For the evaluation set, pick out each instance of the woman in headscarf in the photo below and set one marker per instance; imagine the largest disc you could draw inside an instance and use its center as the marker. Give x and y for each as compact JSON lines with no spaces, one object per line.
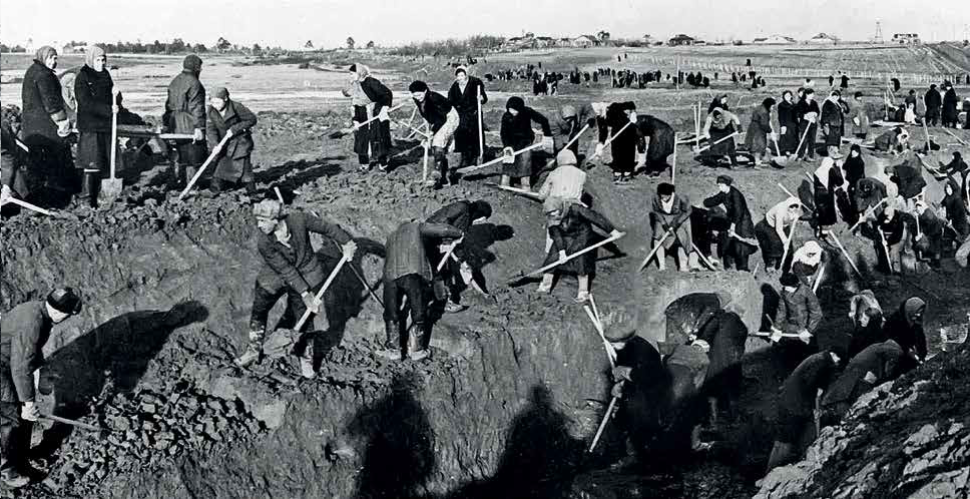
{"x":905,"y":327}
{"x":772,"y":232}
{"x":806,"y":261}
{"x":370,"y":98}
{"x":854,"y":170}
{"x":465,"y":94}
{"x":760,"y":131}
{"x":956,"y":210}
{"x":721,"y":124}
{"x":719,"y":102}
{"x":516,"y":135}
{"x":828,"y":178}
{"x":788,"y":121}
{"x":950,"y":101}
{"x":46,"y":124}
{"x":94,"y":91}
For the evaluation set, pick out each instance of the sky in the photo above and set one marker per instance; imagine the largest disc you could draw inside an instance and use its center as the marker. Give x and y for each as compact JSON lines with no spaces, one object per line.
{"x":328,"y":23}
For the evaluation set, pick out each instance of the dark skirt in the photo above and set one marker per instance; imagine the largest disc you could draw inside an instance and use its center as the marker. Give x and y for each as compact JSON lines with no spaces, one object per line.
{"x":788,"y":141}
{"x":192,"y":153}
{"x":584,"y":264}
{"x":772,"y":247}
{"x":834,"y":137}
{"x":725,"y":148}
{"x":825,"y":209}
{"x":466,"y":136}
{"x":624,"y":151}
{"x":521,"y":167}
{"x":94,"y":152}
{"x":373,"y":139}
{"x":235,"y":169}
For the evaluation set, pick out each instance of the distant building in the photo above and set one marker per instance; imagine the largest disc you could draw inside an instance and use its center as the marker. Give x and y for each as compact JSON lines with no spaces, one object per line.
{"x":774,"y":40}
{"x":584,"y":41}
{"x":73,"y":49}
{"x":544,"y":42}
{"x":906,"y":38}
{"x":681,"y":39}
{"x":823,"y":39}
{"x":649,"y":40}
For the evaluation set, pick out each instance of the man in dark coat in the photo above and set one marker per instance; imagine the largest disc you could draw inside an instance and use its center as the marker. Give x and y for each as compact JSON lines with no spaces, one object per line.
{"x":833,"y":120}
{"x":370,"y":98}
{"x":661,"y":143}
{"x":726,"y":334}
{"x":874,"y":365}
{"x":291,"y":268}
{"x":443,"y":121}
{"x":799,"y":313}
{"x":23,"y":333}
{"x":185,"y":114}
{"x":807,"y":112}
{"x":228,"y":117}
{"x":517,"y":134}
{"x":908,"y":175}
{"x":933,"y":104}
{"x":457,"y":272}
{"x":639,"y":380}
{"x":788,"y":121}
{"x":797,"y":404}
{"x":572,"y":234}
{"x":950,"y":102}
{"x":467,"y":94}
{"x":94,"y":91}
{"x":408,"y":272}
{"x":736,"y":244}
{"x":760,"y":131}
{"x":46,"y":126}
{"x":905,"y":327}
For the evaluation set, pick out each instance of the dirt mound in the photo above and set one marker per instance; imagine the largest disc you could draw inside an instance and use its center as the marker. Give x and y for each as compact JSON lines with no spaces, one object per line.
{"x":909,"y":438}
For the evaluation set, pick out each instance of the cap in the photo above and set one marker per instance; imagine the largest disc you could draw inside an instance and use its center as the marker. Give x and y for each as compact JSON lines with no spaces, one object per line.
{"x":724,"y":179}
{"x":221,"y":93}
{"x":65,"y":300}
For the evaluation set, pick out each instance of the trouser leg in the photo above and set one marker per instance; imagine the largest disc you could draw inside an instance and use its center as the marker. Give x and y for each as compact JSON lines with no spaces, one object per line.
{"x":413,"y":287}
{"x":14,"y":437}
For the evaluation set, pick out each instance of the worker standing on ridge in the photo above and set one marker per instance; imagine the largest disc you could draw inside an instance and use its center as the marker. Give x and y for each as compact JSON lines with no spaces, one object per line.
{"x":290,"y":267}
{"x":46,"y":127}
{"x":735,"y":244}
{"x":228,"y":117}
{"x":457,"y":272}
{"x":833,"y":120}
{"x":443,"y":121}
{"x":23,"y":333}
{"x":467,"y":95}
{"x":517,"y":135}
{"x":408,"y":272}
{"x":185,"y":114}
{"x":370,"y":98}
{"x":94,"y":91}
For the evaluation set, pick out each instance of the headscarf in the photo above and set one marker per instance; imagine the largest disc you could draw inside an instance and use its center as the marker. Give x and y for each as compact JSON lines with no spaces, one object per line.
{"x":516,"y":103}
{"x":362,"y":71}
{"x":912,"y":307}
{"x":94,"y":51}
{"x":810,"y":254}
{"x":43,"y":53}
{"x":566,"y":158}
{"x":767,"y":103}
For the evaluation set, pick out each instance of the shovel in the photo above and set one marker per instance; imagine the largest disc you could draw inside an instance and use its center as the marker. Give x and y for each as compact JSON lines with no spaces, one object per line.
{"x":111,"y":187}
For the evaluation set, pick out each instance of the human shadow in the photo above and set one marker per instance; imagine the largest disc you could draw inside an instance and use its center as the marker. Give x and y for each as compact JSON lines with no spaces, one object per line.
{"x":399,"y":456}
{"x":294,"y":174}
{"x":475,"y":250}
{"x":540,"y":457}
{"x":769,"y":306}
{"x":118,"y":351}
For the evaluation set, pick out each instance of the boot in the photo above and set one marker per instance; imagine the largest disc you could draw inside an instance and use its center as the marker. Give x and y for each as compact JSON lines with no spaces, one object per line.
{"x":392,"y":345}
{"x":441,"y":163}
{"x":254,"y":351}
{"x":90,"y":183}
{"x":417,"y":349}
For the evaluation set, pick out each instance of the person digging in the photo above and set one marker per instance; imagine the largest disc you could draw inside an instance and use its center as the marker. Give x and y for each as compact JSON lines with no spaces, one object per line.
{"x":443,"y":121}
{"x":23,"y":333}
{"x":670,"y":223}
{"x":291,"y":268}
{"x":408,"y":273}
{"x":234,"y":159}
{"x":456,"y":272}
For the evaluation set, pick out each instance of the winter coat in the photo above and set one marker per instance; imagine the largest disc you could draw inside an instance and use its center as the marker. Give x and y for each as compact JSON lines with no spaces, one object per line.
{"x":858,"y":117}
{"x":240,"y":120}
{"x":296,"y":266}
{"x":43,"y":104}
{"x":23,"y":333}
{"x":459,"y":215}
{"x":832,"y":115}
{"x":933,"y":102}
{"x":434,"y":109}
{"x":643,"y":394}
{"x":678,"y":219}
{"x":92,"y":89}
{"x":956,"y":211}
{"x":661,"y":137}
{"x":909,"y":335}
{"x":825,"y":208}
{"x":798,"y":310}
{"x":798,"y":392}
{"x":466,"y":103}
{"x":758,"y":130}
{"x":406,"y":254}
{"x":565,"y":129}
{"x":690,"y":315}
{"x":575,"y":233}
{"x":517,"y":131}
{"x":908,"y":175}
{"x":887,"y":141}
{"x":788,"y":120}
{"x":950,"y":102}
{"x":737,"y":211}
{"x":727,"y":335}
{"x":564,"y":184}
{"x":185,"y":107}
{"x":880,"y":360}
{"x":686,"y":369}
{"x":378,"y":93}
{"x":868,"y":193}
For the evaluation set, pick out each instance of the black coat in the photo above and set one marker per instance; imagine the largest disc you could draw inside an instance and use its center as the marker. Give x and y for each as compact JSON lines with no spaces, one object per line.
{"x":92,"y":89}
{"x":788,"y":118}
{"x":799,"y":390}
{"x":689,"y":315}
{"x":950,"y":102}
{"x":25,"y":330}
{"x":574,"y":233}
{"x":661,"y":137}
{"x":642,"y":396}
{"x":727,"y":335}
{"x":466,"y":103}
{"x":434,"y":109}
{"x":517,"y":130}
{"x":910,"y":337}
{"x":737,"y":211}
{"x":43,"y":103}
{"x":240,"y":120}
{"x":909,"y":177}
{"x":882,"y":360}
{"x":185,"y":107}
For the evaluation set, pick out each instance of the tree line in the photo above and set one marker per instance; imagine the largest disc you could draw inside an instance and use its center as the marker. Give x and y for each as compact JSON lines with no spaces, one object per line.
{"x":176,"y":46}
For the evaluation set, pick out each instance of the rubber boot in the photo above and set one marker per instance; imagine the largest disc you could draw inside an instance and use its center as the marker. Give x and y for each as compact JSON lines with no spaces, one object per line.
{"x":417,"y":342}
{"x":441,"y":164}
{"x":254,"y":350}
{"x":90,"y":185}
{"x":392,"y":343}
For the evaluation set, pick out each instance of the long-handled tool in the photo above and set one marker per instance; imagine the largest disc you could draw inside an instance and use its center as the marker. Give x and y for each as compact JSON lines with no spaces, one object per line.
{"x":481,"y":126}
{"x":845,"y":253}
{"x":655,"y":249}
{"x":718,"y":141}
{"x":448,"y":254}
{"x":788,"y":243}
{"x":818,"y":278}
{"x":361,"y":279}
{"x":673,"y":163}
{"x":611,"y":138}
{"x":356,"y":126}
{"x":473,"y":168}
{"x":71,"y":422}
{"x":802,"y":140}
{"x":111,"y":187}
{"x":610,"y":353}
{"x":951,"y":134}
{"x":606,"y":419}
{"x":25,"y":204}
{"x":865,"y":216}
{"x":568,"y":258}
{"x":198,"y":174}
{"x":522,"y":192}
{"x":703,"y":258}
{"x":323,"y":289}
{"x":568,"y":144}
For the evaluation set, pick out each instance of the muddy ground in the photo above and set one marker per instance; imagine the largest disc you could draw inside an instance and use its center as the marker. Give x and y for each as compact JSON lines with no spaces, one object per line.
{"x":505,"y":408}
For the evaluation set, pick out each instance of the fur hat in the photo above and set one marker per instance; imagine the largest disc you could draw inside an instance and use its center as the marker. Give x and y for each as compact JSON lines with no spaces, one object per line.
{"x":65,"y":301}
{"x":192,"y":63}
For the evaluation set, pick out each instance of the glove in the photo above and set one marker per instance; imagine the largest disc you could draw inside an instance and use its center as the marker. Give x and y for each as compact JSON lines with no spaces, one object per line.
{"x":774,"y":136}
{"x":507,"y":157}
{"x":311,"y":302}
{"x":617,"y":390}
{"x":784,"y":130}
{"x":622,"y":373}
{"x":349,"y":250}
{"x":633,"y":117}
{"x":29,"y":412}
{"x":383,"y":115}
{"x":6,"y":194}
{"x":197,"y":135}
{"x":775,"y":336}
{"x":63,"y":128}
{"x":599,"y":149}
{"x":562,"y":255}
{"x":617,"y":233}
{"x":805,"y":336}
{"x":870,"y":378}
{"x":548,"y":145}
